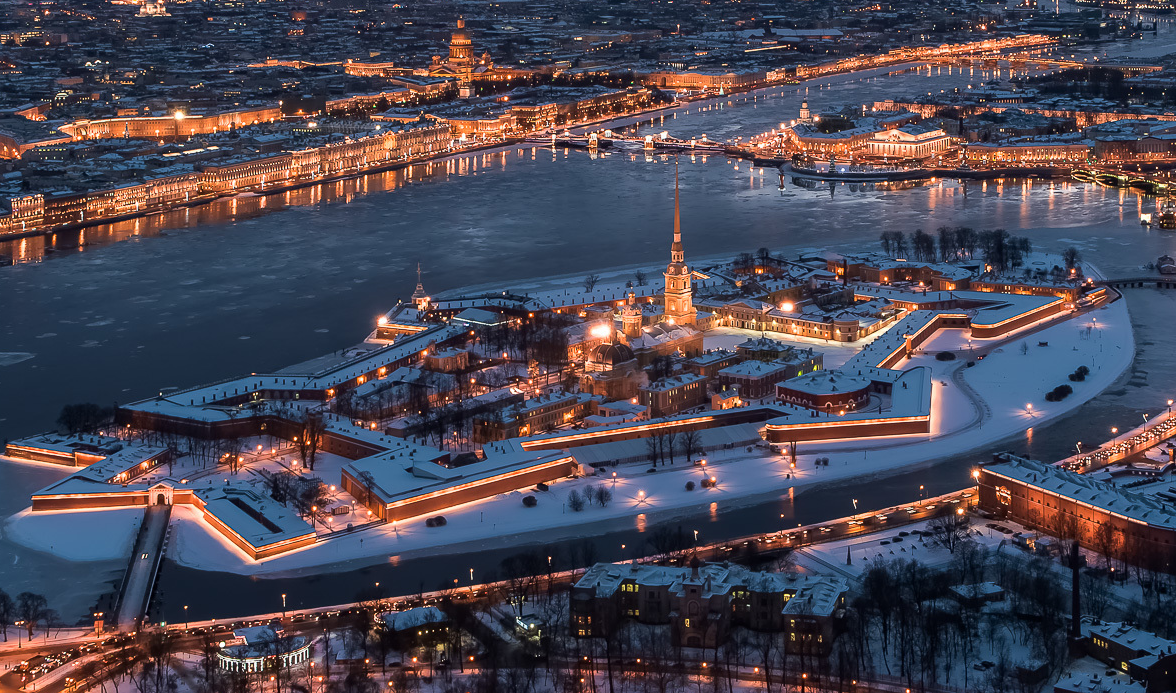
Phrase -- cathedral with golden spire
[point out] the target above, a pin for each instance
(679, 303)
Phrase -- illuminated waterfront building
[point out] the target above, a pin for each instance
(1041, 152)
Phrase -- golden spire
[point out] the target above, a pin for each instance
(676, 254)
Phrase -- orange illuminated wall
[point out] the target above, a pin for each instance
(448, 497)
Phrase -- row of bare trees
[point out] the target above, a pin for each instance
(29, 609)
(999, 249)
(660, 448)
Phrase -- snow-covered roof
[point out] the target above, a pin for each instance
(756, 369)
(805, 594)
(403, 477)
(413, 618)
(826, 383)
(1092, 682)
(254, 517)
(1129, 637)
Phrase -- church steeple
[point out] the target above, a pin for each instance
(676, 253)
(419, 297)
(678, 300)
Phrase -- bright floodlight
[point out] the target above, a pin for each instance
(787, 306)
(601, 331)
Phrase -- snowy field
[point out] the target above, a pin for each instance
(972, 408)
(85, 535)
(835, 353)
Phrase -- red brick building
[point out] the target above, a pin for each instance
(1136, 528)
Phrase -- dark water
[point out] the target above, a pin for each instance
(232, 287)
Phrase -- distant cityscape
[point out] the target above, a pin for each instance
(133, 115)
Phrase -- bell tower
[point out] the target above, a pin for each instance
(631, 318)
(679, 303)
(420, 297)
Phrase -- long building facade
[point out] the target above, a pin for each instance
(703, 602)
(271, 172)
(1099, 516)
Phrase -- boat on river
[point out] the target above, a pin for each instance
(1166, 217)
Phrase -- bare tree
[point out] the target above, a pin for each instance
(590, 282)
(949, 530)
(1096, 595)
(690, 443)
(7, 611)
(310, 438)
(31, 607)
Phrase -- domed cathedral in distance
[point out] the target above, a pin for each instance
(461, 47)
(464, 64)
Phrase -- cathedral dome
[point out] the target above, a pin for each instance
(612, 354)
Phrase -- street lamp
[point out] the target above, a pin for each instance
(185, 617)
(19, 625)
(1029, 408)
(283, 606)
(1114, 430)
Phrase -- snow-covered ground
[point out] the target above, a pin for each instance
(835, 353)
(990, 407)
(866, 550)
(87, 535)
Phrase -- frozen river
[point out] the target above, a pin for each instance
(260, 283)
